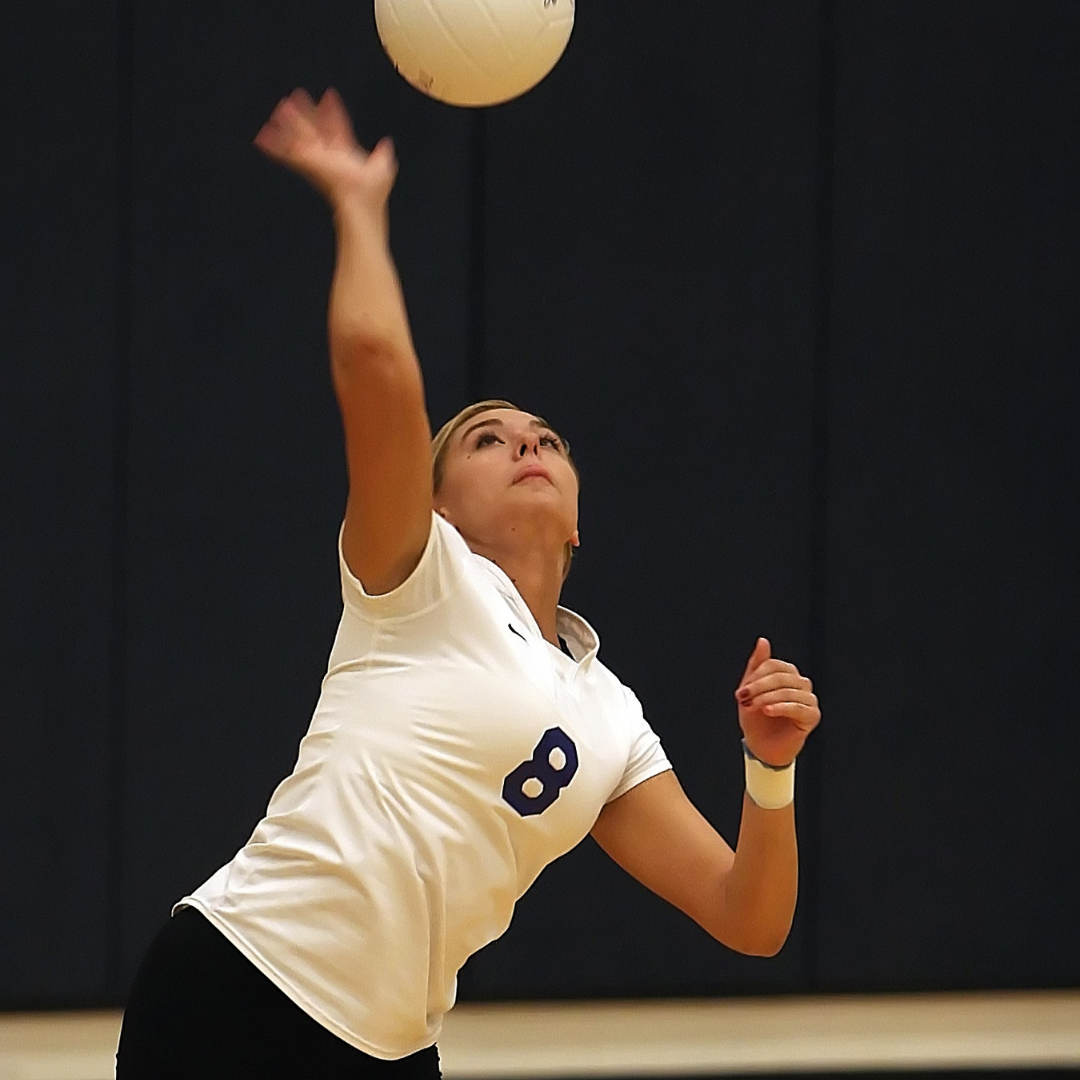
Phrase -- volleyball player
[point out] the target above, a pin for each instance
(466, 734)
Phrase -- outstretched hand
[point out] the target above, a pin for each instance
(317, 141)
(777, 706)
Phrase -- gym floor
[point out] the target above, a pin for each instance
(920, 1034)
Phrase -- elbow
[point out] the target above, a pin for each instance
(762, 941)
(361, 345)
(755, 922)
(765, 946)
(372, 359)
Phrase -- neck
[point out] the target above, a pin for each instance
(537, 574)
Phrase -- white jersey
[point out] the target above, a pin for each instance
(452, 755)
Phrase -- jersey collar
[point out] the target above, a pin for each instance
(580, 637)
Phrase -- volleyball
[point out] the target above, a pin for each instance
(474, 52)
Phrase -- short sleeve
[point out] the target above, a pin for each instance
(436, 576)
(646, 757)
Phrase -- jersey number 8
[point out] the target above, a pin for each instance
(535, 784)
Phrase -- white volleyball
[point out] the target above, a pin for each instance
(474, 52)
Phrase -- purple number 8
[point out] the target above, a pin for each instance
(535, 784)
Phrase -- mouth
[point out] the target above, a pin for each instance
(531, 471)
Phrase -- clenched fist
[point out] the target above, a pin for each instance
(777, 707)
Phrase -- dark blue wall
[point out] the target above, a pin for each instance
(799, 281)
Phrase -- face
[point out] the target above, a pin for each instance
(505, 473)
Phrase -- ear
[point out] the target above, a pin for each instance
(575, 539)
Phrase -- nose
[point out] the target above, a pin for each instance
(528, 444)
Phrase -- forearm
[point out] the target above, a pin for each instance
(746, 897)
(762, 885)
(367, 316)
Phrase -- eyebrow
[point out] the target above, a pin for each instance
(494, 421)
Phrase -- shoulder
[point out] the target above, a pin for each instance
(444, 563)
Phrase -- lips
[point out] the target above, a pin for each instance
(532, 470)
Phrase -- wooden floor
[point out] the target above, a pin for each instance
(664, 1038)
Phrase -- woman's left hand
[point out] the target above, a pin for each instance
(777, 707)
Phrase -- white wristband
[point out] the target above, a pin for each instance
(771, 787)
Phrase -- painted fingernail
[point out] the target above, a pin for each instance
(743, 695)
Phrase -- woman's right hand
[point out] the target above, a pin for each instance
(317, 141)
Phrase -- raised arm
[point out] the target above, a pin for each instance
(375, 372)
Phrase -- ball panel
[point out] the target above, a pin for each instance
(397, 43)
(466, 32)
(474, 52)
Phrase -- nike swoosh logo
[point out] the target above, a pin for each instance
(518, 632)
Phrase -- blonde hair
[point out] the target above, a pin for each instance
(441, 444)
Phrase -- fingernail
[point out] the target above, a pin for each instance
(743, 695)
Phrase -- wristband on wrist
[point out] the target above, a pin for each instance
(770, 786)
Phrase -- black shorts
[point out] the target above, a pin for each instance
(200, 1008)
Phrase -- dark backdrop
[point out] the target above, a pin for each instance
(799, 281)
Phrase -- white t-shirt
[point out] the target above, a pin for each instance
(453, 754)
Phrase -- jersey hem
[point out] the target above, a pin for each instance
(282, 984)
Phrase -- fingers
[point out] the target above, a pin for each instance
(762, 651)
(289, 123)
(805, 717)
(778, 689)
(798, 705)
(317, 141)
(275, 140)
(332, 119)
(296, 118)
(302, 100)
(384, 148)
(772, 675)
(769, 677)
(784, 693)
(296, 112)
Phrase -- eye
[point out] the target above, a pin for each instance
(551, 439)
(486, 438)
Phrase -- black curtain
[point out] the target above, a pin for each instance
(798, 280)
